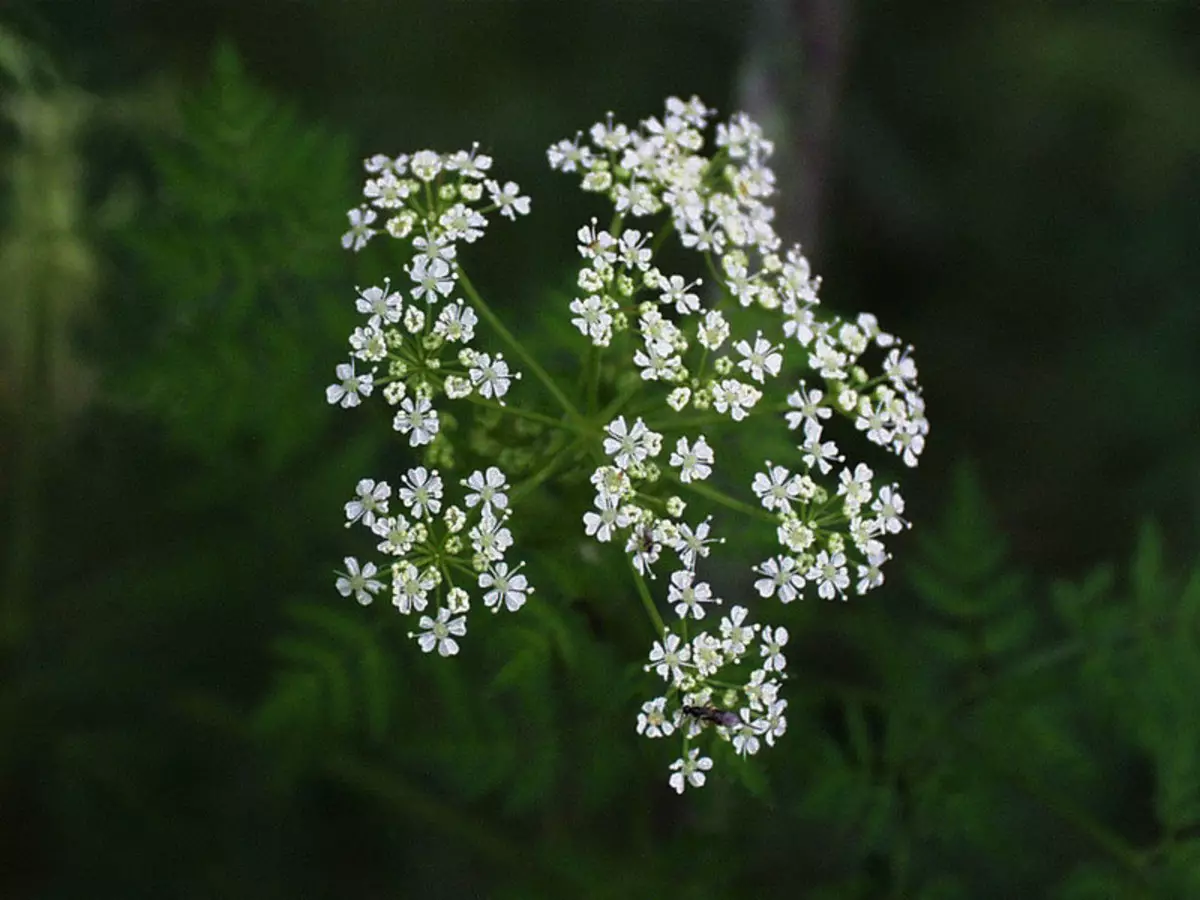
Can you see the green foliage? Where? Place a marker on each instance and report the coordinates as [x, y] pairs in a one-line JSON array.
[[241, 278]]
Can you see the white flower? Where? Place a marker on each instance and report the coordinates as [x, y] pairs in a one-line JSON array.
[[593, 319], [652, 721], [745, 735], [762, 358], [781, 577], [508, 588], [372, 500], [693, 544], [492, 378], [693, 462], [628, 445], [422, 492], [398, 535], [508, 199], [807, 406], [419, 418], [669, 656], [713, 332], [689, 770], [456, 322], [830, 575], [426, 164], [350, 387], [736, 397], [818, 453], [411, 587], [775, 723], [368, 344], [678, 293], [432, 277], [856, 486], [487, 488], [440, 632], [889, 506], [773, 642], [490, 539], [380, 303], [686, 595], [736, 634], [360, 228], [776, 489], [602, 524], [362, 583], [463, 223]]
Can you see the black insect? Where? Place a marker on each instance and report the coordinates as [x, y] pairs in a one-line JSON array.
[[713, 714]]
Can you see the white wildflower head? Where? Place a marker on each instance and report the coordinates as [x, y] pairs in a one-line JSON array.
[[689, 319]]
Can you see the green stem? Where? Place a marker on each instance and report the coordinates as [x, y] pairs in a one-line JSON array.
[[549, 469], [526, 414], [526, 357], [647, 600], [711, 493]]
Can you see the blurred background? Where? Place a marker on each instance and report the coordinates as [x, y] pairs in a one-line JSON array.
[[187, 707]]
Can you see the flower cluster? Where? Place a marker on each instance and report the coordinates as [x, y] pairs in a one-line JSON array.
[[723, 346], [421, 336], [430, 559], [744, 343]]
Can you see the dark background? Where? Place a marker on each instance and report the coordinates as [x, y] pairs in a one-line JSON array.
[[189, 709]]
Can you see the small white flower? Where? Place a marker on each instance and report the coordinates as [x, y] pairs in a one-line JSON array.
[[440, 632], [433, 277], [762, 358], [830, 575], [360, 228], [781, 577], [350, 388], [422, 492], [372, 500], [508, 199], [687, 596], [490, 539], [361, 582], [776, 489], [773, 642], [689, 770], [456, 322], [411, 587], [737, 635], [652, 721], [669, 656], [508, 588], [492, 378], [418, 419], [602, 524], [889, 506], [487, 488], [628, 445], [694, 462], [380, 303]]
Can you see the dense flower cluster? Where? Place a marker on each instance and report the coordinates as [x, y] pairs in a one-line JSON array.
[[421, 337], [434, 202], [742, 344], [429, 553], [829, 514]]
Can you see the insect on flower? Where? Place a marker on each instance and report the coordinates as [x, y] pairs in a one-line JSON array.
[[712, 714]]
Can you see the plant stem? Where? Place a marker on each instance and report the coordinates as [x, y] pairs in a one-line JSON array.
[[526, 357], [526, 414], [647, 600], [722, 498]]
